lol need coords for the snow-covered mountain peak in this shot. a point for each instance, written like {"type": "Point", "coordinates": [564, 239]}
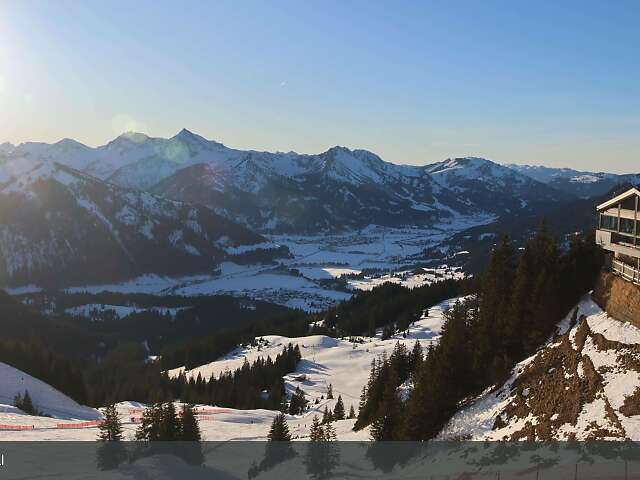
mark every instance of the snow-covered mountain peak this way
{"type": "Point", "coordinates": [43, 171]}
{"type": "Point", "coordinates": [7, 147]}
{"type": "Point", "coordinates": [130, 137]}
{"type": "Point", "coordinates": [191, 138]}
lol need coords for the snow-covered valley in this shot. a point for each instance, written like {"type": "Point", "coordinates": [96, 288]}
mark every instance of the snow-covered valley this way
{"type": "Point", "coordinates": [323, 271]}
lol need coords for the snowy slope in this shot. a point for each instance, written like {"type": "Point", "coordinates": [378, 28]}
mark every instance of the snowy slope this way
{"type": "Point", "coordinates": [583, 385]}
{"type": "Point", "coordinates": [59, 225]}
{"type": "Point", "coordinates": [45, 398]}
{"type": "Point", "coordinates": [325, 361]}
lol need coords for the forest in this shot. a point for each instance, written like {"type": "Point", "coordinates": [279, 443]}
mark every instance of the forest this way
{"type": "Point", "coordinates": [521, 297]}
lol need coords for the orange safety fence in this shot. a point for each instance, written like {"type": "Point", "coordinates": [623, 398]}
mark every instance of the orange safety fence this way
{"type": "Point", "coordinates": [91, 423]}
{"type": "Point", "coordinates": [210, 410]}
{"type": "Point", "coordinates": [16, 427]}
{"type": "Point", "coordinates": [196, 410]}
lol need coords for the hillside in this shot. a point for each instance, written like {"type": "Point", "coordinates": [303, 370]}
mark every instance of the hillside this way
{"type": "Point", "coordinates": [46, 399]}
{"type": "Point", "coordinates": [584, 384]}
{"type": "Point", "coordinates": [59, 226]}
{"type": "Point", "coordinates": [342, 363]}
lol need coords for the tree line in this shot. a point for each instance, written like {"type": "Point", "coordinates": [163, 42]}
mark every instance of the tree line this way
{"type": "Point", "coordinates": [521, 298]}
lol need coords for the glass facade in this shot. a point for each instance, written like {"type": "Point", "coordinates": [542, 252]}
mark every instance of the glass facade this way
{"type": "Point", "coordinates": [608, 222]}
{"type": "Point", "coordinates": [626, 226]}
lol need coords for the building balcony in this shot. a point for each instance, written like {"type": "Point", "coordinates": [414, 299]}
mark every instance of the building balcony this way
{"type": "Point", "coordinates": [626, 271]}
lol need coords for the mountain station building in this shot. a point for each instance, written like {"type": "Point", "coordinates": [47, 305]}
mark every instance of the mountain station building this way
{"type": "Point", "coordinates": [618, 231]}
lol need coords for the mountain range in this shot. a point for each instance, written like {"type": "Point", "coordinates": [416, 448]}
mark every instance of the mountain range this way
{"type": "Point", "coordinates": [60, 226]}
{"type": "Point", "coordinates": [183, 204]}
{"type": "Point", "coordinates": [295, 193]}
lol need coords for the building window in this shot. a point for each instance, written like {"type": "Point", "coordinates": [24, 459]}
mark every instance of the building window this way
{"type": "Point", "coordinates": [608, 222]}
{"type": "Point", "coordinates": [626, 226]}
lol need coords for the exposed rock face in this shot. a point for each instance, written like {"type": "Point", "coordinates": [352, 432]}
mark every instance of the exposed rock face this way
{"type": "Point", "coordinates": [583, 384]}
{"type": "Point", "coordinates": [618, 297]}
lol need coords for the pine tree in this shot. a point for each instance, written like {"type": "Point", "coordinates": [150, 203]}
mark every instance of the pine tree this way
{"type": "Point", "coordinates": [416, 356]}
{"type": "Point", "coordinates": [330, 433]}
{"type": "Point", "coordinates": [110, 428]}
{"type": "Point", "coordinates": [352, 412]}
{"type": "Point", "coordinates": [330, 392]}
{"type": "Point", "coordinates": [190, 428]}
{"type": "Point", "coordinates": [190, 447]}
{"type": "Point", "coordinates": [338, 410]}
{"type": "Point", "coordinates": [149, 428]}
{"type": "Point", "coordinates": [279, 431]}
{"type": "Point", "coordinates": [298, 402]}
{"type": "Point", "coordinates": [316, 433]}
{"type": "Point", "coordinates": [112, 453]}
{"type": "Point", "coordinates": [25, 404]}
{"type": "Point", "coordinates": [327, 416]}
{"type": "Point", "coordinates": [170, 425]}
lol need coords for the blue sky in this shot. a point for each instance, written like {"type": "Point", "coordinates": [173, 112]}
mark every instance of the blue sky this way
{"type": "Point", "coordinates": [554, 83]}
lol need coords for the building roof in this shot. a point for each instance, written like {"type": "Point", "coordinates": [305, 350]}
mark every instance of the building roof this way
{"type": "Point", "coordinates": [619, 198]}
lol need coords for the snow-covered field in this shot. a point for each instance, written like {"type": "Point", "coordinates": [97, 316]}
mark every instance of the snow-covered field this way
{"type": "Point", "coordinates": [304, 281]}
{"type": "Point", "coordinates": [95, 310]}
{"type": "Point", "coordinates": [341, 363]}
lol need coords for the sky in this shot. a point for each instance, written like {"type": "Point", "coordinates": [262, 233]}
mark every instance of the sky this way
{"type": "Point", "coordinates": [545, 82]}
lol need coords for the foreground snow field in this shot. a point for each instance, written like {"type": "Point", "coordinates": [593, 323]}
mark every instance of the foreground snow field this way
{"type": "Point", "coordinates": [343, 364]}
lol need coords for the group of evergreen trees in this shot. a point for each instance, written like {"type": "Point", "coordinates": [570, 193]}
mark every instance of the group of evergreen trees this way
{"type": "Point", "coordinates": [160, 423]}
{"type": "Point", "coordinates": [380, 405]}
{"type": "Point", "coordinates": [520, 300]}
{"type": "Point", "coordinates": [338, 412]}
{"type": "Point", "coordinates": [244, 387]}
{"type": "Point", "coordinates": [389, 305]}
{"type": "Point", "coordinates": [24, 403]}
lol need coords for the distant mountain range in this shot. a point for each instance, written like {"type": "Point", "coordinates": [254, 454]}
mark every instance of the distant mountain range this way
{"type": "Point", "coordinates": [181, 205]}
{"type": "Point", "coordinates": [580, 184]}
{"type": "Point", "coordinates": [293, 193]}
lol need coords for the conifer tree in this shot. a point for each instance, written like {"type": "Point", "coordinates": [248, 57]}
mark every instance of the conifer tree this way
{"type": "Point", "coordinates": [330, 392]}
{"type": "Point", "coordinates": [416, 356]}
{"type": "Point", "coordinates": [149, 428]}
{"type": "Point", "coordinates": [24, 403]}
{"type": "Point", "coordinates": [338, 410]}
{"type": "Point", "coordinates": [111, 427]}
{"type": "Point", "coordinates": [170, 426]}
{"type": "Point", "coordinates": [190, 428]}
{"type": "Point", "coordinates": [330, 433]}
{"type": "Point", "coordinates": [352, 412]}
{"type": "Point", "coordinates": [279, 431]}
{"type": "Point", "coordinates": [190, 447]}
{"type": "Point", "coordinates": [316, 433]}
{"type": "Point", "coordinates": [112, 453]}
{"type": "Point", "coordinates": [327, 416]}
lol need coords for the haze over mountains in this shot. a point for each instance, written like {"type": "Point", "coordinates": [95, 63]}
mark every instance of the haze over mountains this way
{"type": "Point", "coordinates": [129, 207]}
{"type": "Point", "coordinates": [331, 191]}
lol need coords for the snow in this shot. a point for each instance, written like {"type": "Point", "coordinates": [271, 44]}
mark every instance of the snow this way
{"type": "Point", "coordinates": [475, 421]}
{"type": "Point", "coordinates": [119, 311]}
{"type": "Point", "coordinates": [45, 398]}
{"type": "Point", "coordinates": [326, 360]}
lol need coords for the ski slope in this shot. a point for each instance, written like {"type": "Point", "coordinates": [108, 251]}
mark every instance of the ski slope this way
{"type": "Point", "coordinates": [45, 398]}
{"type": "Point", "coordinates": [325, 360]}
